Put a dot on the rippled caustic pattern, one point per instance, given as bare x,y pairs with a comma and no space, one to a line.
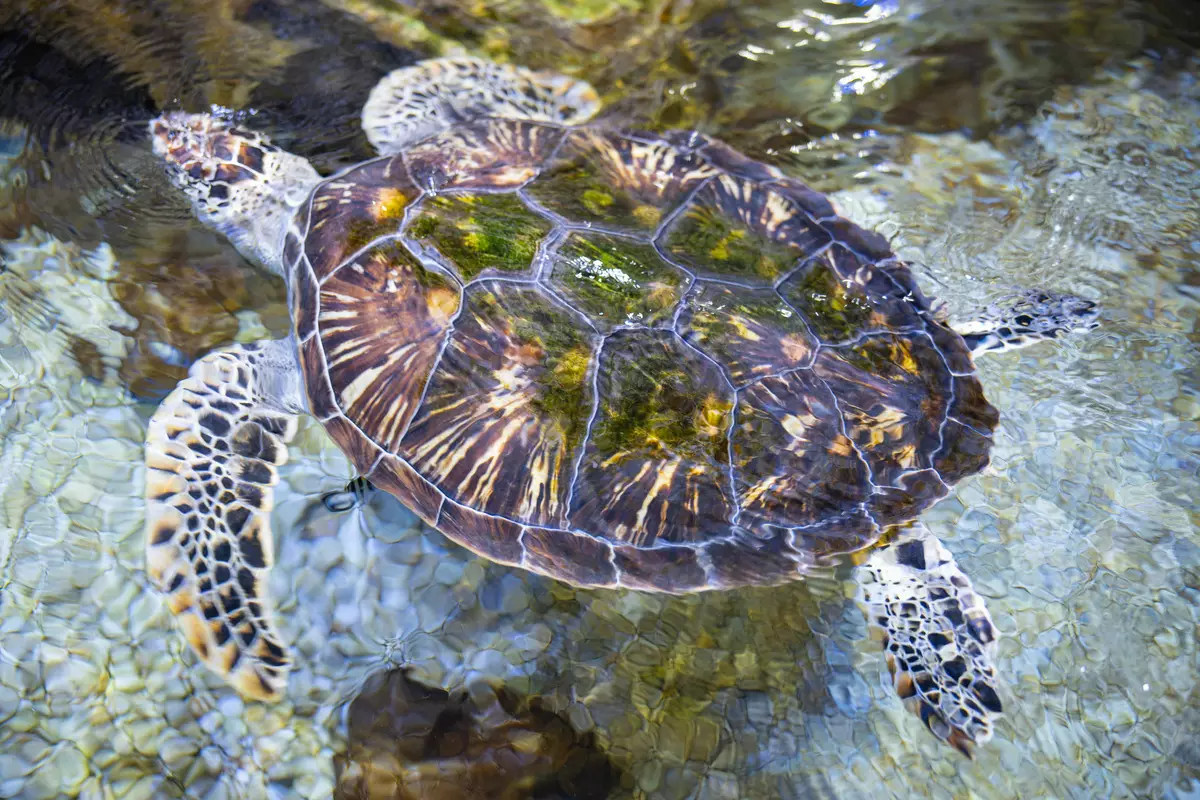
619,360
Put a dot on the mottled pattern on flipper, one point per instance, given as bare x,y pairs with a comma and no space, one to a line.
414,102
212,449
938,637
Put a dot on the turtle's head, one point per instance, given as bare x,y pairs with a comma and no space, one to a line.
1028,318
238,182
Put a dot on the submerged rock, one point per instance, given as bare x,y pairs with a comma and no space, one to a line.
408,741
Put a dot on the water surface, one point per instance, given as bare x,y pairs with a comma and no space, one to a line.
999,146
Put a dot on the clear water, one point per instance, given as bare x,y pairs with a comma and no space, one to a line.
1001,146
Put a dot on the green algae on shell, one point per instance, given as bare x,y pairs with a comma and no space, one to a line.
616,281
834,312
479,232
657,399
711,241
578,191
608,179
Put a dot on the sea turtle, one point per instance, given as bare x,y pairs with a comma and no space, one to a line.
618,359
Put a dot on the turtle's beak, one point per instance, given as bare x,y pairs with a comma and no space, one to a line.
179,137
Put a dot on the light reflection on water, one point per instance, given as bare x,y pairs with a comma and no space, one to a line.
1082,535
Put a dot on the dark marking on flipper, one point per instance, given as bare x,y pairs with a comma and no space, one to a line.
938,638
211,558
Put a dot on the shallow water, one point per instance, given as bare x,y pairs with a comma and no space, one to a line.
998,150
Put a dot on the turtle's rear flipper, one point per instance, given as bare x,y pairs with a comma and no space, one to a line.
939,639
211,452
414,102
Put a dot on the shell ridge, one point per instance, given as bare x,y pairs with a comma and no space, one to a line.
537,208
688,199
949,405
547,249
437,363
801,263
587,431
837,405
382,240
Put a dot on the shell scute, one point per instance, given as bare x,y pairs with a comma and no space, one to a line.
744,560
382,321
614,181
306,303
505,414
480,233
912,493
348,212
361,451
656,465
665,568
573,557
964,452
494,537
393,475
616,281
793,464
725,158
842,297
321,401
893,392
736,229
752,332
483,154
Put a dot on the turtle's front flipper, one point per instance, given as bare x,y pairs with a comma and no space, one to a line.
211,452
939,639
414,102
1027,319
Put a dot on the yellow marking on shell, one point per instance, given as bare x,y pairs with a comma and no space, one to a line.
485,471
395,415
906,456
505,416
615,458
797,427
544,469
720,251
390,205
887,424
841,446
662,481
648,215
902,354
349,395
443,304
776,211
795,348
740,327
760,489
617,500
